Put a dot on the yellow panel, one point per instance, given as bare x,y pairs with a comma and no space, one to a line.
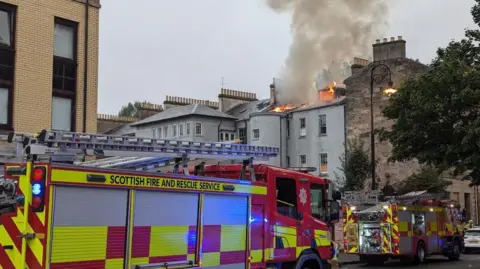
5,240
140,261
114,264
300,249
191,257
168,241
233,237
403,226
210,259
433,226
321,238
79,243
288,236
256,255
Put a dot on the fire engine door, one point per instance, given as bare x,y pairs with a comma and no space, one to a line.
225,224
89,227
164,227
431,231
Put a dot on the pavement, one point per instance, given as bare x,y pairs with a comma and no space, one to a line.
438,262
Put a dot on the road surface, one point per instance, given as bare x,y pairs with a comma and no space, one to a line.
437,262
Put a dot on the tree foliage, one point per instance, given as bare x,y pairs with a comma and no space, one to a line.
427,178
355,166
437,114
132,109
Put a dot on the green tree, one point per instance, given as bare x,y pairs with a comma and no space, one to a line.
427,178
355,167
436,116
132,109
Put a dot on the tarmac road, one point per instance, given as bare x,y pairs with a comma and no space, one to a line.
437,262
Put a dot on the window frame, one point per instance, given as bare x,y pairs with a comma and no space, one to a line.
159,132
188,125
201,128
72,108
242,135
181,129
174,130
322,124
165,131
303,130
9,85
300,159
62,93
321,155
256,131
232,136
221,137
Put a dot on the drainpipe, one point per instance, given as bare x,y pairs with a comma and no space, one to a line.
85,66
281,140
218,130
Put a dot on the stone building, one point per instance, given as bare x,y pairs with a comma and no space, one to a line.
393,54
45,61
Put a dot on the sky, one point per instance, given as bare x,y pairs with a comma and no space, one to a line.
184,48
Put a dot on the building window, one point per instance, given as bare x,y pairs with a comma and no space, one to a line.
256,133
221,136
62,111
181,129
65,64
232,137
7,64
187,125
242,135
159,133
322,124
287,197
323,163
165,131
288,128
174,130
303,160
303,127
198,128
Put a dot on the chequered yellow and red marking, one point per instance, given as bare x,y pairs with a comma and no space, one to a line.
156,244
386,246
13,224
405,228
223,244
76,247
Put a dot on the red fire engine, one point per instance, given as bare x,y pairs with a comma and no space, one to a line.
409,226
90,215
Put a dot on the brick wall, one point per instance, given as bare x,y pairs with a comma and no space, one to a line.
34,62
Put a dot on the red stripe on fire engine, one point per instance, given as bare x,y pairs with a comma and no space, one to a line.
12,231
141,241
79,265
32,261
116,242
212,235
5,260
176,258
232,257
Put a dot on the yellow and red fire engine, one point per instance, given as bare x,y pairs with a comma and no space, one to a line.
92,215
409,226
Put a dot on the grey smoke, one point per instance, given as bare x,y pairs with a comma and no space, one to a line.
326,33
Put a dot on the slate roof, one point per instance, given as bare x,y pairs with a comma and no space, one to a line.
182,111
243,111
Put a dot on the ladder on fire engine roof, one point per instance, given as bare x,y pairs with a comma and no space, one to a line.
413,197
127,150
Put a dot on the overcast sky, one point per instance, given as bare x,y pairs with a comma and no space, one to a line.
183,48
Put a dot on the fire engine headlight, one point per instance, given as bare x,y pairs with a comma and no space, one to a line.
353,208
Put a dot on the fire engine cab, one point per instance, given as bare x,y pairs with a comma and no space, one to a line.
412,226
111,213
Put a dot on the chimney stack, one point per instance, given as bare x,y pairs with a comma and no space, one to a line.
273,94
358,64
388,50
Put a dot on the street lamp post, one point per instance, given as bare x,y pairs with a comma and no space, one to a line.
377,77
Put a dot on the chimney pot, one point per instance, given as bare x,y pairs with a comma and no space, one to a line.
378,41
392,38
399,37
385,39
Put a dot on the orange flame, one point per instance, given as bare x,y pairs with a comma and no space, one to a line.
331,86
283,108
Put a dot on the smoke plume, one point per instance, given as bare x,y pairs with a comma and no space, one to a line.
325,34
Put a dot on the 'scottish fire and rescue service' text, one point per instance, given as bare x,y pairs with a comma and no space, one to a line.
164,183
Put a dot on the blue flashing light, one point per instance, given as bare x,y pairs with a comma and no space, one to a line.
36,189
266,220
252,220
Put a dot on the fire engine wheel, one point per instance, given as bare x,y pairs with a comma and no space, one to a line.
455,256
420,256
